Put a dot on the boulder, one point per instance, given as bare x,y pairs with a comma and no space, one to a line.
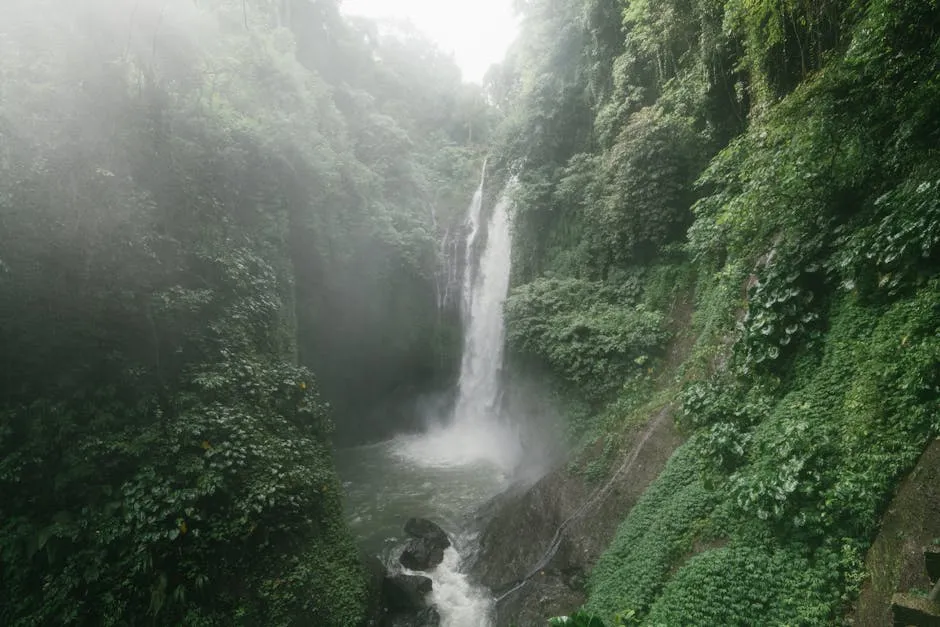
406,592
420,554
932,560
424,529
910,609
425,550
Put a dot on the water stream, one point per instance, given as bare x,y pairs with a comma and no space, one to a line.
461,460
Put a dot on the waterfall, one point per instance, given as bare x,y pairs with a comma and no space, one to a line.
476,432
484,295
475,440
473,224
447,275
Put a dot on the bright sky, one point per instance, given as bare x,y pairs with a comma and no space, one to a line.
478,32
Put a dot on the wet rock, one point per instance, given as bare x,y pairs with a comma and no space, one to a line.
424,529
932,560
548,594
425,618
425,550
406,592
537,541
419,554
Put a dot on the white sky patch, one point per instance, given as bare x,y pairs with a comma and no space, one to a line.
477,32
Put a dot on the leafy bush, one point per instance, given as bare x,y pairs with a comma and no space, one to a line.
783,306
795,483
207,510
643,200
589,333
876,392
900,246
813,400
658,530
748,585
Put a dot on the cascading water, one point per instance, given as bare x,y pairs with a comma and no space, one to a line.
449,253
476,431
461,461
476,414
473,226
483,299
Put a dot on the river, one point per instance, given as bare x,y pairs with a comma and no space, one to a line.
388,483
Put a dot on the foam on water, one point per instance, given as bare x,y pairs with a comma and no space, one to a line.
461,444
460,603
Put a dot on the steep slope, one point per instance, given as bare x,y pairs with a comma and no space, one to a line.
780,159
542,542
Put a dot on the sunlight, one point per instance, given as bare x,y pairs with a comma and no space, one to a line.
477,33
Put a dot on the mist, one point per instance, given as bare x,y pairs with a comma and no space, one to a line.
248,325
220,253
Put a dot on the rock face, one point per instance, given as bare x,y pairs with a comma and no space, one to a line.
420,555
896,559
424,529
405,601
405,596
425,550
537,571
910,609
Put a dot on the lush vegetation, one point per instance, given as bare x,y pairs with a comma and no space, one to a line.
785,152
221,236
218,220
591,334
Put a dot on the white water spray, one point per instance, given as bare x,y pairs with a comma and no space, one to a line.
459,602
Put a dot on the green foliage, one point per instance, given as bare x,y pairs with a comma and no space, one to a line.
659,529
205,228
783,306
669,283
645,195
785,40
724,413
747,585
155,514
877,389
635,199
811,131
899,248
799,480
719,299
588,333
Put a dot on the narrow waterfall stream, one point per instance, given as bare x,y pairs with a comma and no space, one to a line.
463,459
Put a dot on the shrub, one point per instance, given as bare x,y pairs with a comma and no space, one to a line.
589,333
